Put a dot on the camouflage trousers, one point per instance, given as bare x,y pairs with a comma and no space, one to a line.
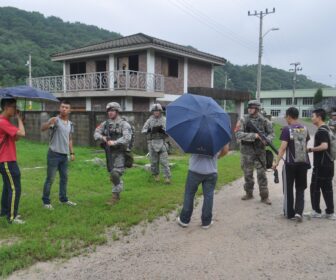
158,158
117,168
249,162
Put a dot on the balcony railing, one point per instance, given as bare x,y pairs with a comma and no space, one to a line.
113,80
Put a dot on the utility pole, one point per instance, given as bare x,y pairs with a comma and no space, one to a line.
260,15
295,70
225,87
29,70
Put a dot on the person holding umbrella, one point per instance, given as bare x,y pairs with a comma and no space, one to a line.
200,127
9,168
202,170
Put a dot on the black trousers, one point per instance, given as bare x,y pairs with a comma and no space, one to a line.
321,183
294,174
11,189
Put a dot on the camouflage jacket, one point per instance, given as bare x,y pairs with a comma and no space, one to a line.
155,129
118,130
247,138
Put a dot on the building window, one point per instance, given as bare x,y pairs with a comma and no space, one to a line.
295,101
306,113
275,101
133,62
172,67
77,68
275,113
288,101
307,101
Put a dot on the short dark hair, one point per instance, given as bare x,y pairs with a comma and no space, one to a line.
7,101
65,102
320,113
292,112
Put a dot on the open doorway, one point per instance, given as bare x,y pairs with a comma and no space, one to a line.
101,75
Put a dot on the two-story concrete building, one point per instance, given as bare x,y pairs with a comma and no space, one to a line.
276,102
132,70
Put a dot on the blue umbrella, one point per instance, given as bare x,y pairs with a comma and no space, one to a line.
198,124
26,92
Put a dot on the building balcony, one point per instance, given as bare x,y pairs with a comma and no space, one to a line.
120,80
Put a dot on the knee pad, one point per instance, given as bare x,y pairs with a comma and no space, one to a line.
115,177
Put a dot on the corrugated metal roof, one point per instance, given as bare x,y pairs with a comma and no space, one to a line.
140,39
327,92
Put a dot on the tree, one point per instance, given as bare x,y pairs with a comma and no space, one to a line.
318,97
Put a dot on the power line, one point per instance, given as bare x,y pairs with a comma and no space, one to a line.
215,23
207,23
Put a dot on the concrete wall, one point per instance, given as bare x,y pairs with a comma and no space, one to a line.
86,122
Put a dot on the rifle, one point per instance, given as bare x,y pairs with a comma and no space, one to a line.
266,142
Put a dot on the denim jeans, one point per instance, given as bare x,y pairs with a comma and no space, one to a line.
56,161
208,184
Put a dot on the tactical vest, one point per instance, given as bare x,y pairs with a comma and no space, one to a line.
113,131
157,135
259,122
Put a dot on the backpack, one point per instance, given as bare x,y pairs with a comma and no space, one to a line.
299,137
332,138
129,158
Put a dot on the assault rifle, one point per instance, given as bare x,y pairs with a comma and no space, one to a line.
266,142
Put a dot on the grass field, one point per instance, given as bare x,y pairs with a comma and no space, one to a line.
66,231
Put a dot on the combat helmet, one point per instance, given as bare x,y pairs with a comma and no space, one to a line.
254,104
156,107
113,106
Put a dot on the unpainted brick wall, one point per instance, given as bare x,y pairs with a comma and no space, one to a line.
86,122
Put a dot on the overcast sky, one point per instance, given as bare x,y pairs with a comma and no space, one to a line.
221,27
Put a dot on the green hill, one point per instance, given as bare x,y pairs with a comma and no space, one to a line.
23,33
245,78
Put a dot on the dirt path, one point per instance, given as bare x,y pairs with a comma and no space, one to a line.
248,240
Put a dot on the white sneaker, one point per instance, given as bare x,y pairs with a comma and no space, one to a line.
330,216
208,226
48,206
298,218
69,203
180,223
313,214
18,221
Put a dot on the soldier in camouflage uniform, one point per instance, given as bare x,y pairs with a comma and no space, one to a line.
252,149
115,134
332,122
155,129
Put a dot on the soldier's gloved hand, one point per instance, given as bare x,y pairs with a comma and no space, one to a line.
161,130
149,130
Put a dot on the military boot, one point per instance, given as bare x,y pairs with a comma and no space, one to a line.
247,196
167,181
266,200
157,178
115,198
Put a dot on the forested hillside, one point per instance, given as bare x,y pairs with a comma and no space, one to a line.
23,33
